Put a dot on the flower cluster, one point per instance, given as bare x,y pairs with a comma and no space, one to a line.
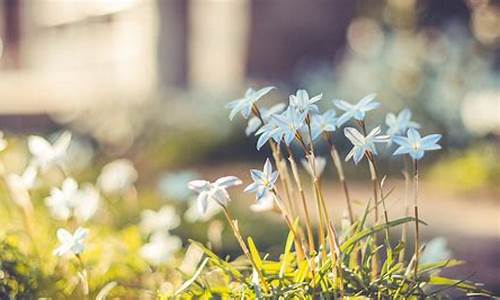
301,121
281,189
71,202
302,117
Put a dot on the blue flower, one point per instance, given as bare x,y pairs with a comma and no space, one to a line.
303,103
363,144
415,145
254,123
400,123
356,111
327,122
263,181
268,131
289,122
245,104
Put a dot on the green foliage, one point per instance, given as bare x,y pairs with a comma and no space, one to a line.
19,277
351,276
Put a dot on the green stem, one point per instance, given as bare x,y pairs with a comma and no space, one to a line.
415,203
243,246
83,276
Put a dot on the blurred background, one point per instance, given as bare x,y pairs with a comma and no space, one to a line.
147,80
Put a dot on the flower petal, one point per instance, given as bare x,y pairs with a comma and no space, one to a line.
228,181
202,202
354,136
199,185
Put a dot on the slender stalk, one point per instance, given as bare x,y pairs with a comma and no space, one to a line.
243,246
415,203
289,222
338,257
373,176
377,184
284,176
321,221
321,231
83,276
340,172
310,235
404,230
323,210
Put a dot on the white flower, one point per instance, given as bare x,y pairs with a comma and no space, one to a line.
254,122
117,177
215,191
61,200
20,185
303,103
319,165
3,142
160,248
399,124
46,154
163,220
87,203
70,243
245,104
356,111
363,144
193,213
69,201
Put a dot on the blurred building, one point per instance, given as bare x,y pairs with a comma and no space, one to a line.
60,55
65,55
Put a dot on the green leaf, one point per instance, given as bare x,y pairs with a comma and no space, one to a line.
371,230
286,252
254,253
188,283
450,283
220,262
301,271
423,268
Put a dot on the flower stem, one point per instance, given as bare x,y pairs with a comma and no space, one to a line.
404,230
284,177
283,171
237,234
298,243
83,276
335,249
340,172
310,235
415,203
317,186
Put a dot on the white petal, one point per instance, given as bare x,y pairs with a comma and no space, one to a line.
354,136
80,233
199,185
343,105
39,146
63,235
268,168
228,181
62,143
202,201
